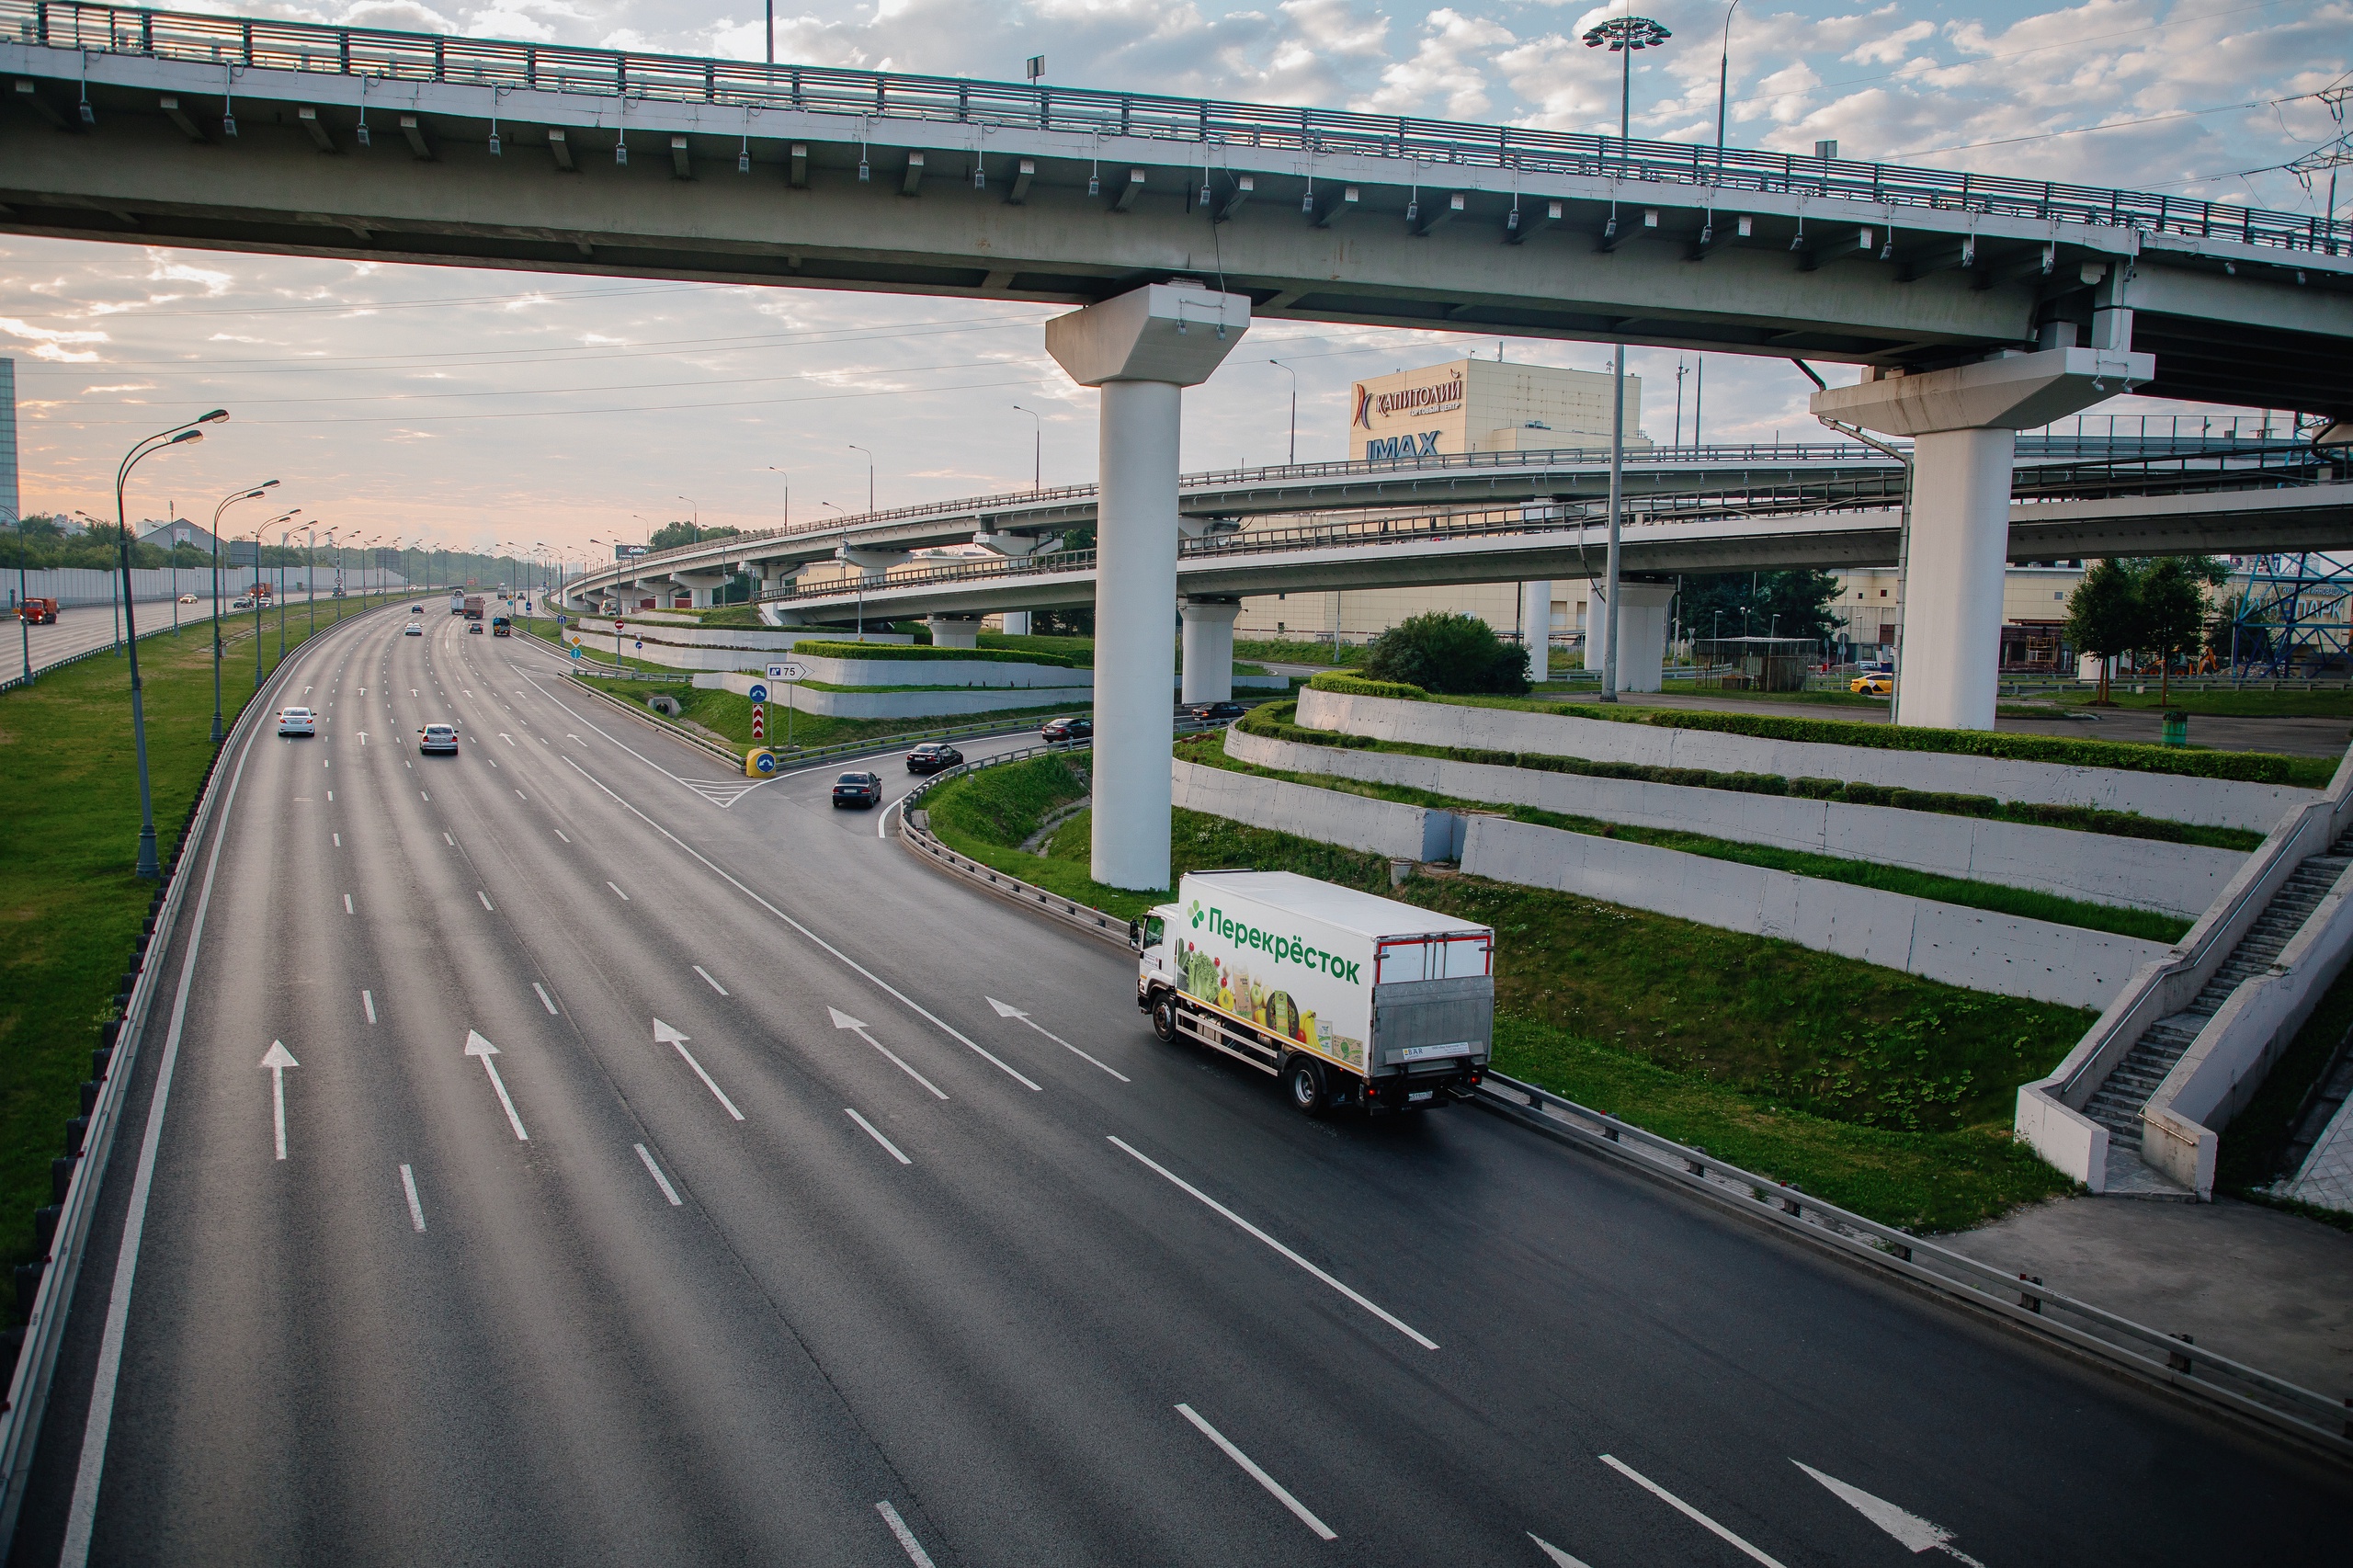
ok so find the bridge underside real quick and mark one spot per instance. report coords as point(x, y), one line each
point(1649, 260)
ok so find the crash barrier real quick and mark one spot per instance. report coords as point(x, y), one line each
point(90, 1137)
point(916, 835)
point(228, 619)
point(2218, 1382)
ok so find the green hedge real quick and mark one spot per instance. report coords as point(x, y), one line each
point(2250, 767)
point(1274, 721)
point(916, 652)
point(1356, 686)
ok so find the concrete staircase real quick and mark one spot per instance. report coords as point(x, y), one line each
point(2118, 1102)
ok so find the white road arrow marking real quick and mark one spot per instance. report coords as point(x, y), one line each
point(477, 1046)
point(1917, 1534)
point(416, 1209)
point(1555, 1555)
point(843, 1021)
point(908, 1541)
point(1250, 1467)
point(876, 1134)
point(665, 1035)
point(1687, 1511)
point(1004, 1012)
point(279, 1060)
point(363, 737)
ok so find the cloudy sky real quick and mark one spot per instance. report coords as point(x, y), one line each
point(472, 407)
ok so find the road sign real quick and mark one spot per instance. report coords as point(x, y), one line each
point(575, 650)
point(759, 723)
point(621, 626)
point(758, 761)
point(758, 693)
point(788, 672)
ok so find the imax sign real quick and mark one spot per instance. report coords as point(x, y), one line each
point(1415, 444)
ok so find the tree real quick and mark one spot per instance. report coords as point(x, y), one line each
point(2103, 616)
point(2172, 609)
point(1760, 604)
point(669, 536)
point(1445, 653)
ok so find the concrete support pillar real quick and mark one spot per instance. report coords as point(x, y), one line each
point(1016, 624)
point(1140, 348)
point(703, 585)
point(1536, 628)
point(1209, 648)
point(1963, 423)
point(1642, 635)
point(954, 631)
point(1019, 546)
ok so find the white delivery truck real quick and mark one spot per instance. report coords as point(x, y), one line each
point(1347, 997)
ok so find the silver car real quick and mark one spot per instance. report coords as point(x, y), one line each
point(297, 722)
point(438, 738)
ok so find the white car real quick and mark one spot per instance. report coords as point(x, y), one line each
point(297, 722)
point(437, 737)
point(187, 599)
point(413, 631)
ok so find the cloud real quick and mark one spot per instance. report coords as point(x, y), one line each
point(50, 344)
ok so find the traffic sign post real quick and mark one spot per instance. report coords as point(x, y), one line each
point(785, 675)
point(618, 627)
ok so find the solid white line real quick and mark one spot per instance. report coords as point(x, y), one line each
point(485, 900)
point(615, 887)
point(680, 1046)
point(659, 1179)
point(908, 1541)
point(875, 1133)
point(499, 1084)
point(882, 822)
point(416, 1209)
point(1686, 1509)
point(346, 904)
point(545, 1000)
point(904, 1000)
point(713, 984)
point(1400, 1325)
point(81, 1514)
point(1250, 1467)
point(369, 1003)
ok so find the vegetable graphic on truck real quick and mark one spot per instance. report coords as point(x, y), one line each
point(1348, 997)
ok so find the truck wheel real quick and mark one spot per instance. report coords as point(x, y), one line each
point(1164, 1018)
point(1304, 1079)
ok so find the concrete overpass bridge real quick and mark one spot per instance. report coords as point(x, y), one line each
point(1019, 523)
point(1976, 306)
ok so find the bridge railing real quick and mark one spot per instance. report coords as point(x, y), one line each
point(1431, 146)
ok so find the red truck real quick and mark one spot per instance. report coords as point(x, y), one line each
point(39, 612)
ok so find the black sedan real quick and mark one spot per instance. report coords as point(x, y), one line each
point(932, 758)
point(1054, 730)
point(857, 790)
point(1216, 712)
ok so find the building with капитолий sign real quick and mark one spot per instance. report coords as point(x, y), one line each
point(1486, 405)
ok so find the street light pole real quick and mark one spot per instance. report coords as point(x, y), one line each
point(172, 438)
point(1723, 83)
point(1287, 370)
point(255, 493)
point(1624, 35)
point(869, 476)
point(1037, 448)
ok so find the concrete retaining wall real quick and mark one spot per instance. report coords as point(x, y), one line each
point(1969, 948)
point(2175, 878)
point(925, 703)
point(1352, 822)
point(685, 631)
point(2208, 801)
point(71, 586)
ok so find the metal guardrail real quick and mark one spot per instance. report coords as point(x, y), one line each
point(2222, 1383)
point(27, 1397)
point(1429, 146)
point(228, 635)
point(2272, 1404)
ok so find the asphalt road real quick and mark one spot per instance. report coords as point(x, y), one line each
point(81, 628)
point(864, 1269)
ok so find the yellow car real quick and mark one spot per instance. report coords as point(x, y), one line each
point(1872, 685)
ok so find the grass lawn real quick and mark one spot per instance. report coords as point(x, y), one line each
point(1870, 1089)
point(729, 715)
point(68, 901)
point(2220, 704)
point(2024, 902)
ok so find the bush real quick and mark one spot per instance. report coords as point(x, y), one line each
point(1356, 686)
point(1445, 653)
point(2247, 767)
point(916, 653)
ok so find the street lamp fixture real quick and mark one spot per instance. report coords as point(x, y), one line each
point(1287, 370)
point(869, 476)
point(178, 435)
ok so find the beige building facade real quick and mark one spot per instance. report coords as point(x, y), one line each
point(1486, 405)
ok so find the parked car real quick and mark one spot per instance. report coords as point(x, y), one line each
point(187, 599)
point(1872, 685)
point(297, 722)
point(1216, 712)
point(437, 737)
point(413, 629)
point(933, 756)
point(859, 789)
point(1055, 730)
